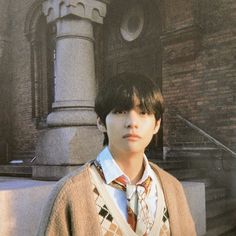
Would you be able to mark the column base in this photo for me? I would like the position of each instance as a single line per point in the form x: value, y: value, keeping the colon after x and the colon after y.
x: 60, y: 150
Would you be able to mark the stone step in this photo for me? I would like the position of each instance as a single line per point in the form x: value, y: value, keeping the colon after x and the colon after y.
x: 186, y: 174
x: 232, y: 232
x: 219, y: 207
x: 224, y: 219
x: 170, y: 165
x: 25, y: 156
x: 215, y: 193
x: 193, y: 152
x: 16, y: 170
x: 222, y: 230
x: 207, y: 181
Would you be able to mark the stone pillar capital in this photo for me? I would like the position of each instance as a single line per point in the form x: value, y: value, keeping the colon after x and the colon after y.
x: 93, y: 10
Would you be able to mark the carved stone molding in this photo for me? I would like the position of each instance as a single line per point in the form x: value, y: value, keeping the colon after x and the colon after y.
x: 32, y: 19
x: 181, y: 45
x: 93, y: 10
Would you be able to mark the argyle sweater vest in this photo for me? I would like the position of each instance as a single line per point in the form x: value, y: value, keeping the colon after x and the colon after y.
x: 111, y: 220
x: 71, y: 208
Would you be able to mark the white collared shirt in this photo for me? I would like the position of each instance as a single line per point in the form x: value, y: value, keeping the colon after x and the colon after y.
x: 112, y: 171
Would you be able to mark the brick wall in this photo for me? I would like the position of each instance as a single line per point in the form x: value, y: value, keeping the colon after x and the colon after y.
x: 5, y: 80
x: 23, y: 132
x: 198, y: 72
x: 199, y: 76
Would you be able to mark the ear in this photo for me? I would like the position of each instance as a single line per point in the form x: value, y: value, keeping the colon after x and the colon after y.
x: 101, y: 126
x: 157, y: 126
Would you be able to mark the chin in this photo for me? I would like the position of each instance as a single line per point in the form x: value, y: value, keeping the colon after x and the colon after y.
x: 133, y: 149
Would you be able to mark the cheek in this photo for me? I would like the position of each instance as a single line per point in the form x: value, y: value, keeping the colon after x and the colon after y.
x: 151, y: 127
x: 112, y: 126
x: 109, y: 123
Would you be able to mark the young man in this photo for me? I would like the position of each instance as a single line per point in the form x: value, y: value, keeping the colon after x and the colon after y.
x: 121, y: 193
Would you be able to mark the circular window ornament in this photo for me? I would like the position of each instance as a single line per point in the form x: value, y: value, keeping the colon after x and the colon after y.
x: 132, y: 23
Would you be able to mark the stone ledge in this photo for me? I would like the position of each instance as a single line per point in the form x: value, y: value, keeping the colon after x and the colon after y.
x: 16, y: 170
x: 195, y: 193
x: 22, y: 201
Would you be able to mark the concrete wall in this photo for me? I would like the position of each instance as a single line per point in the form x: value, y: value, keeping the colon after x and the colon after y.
x: 22, y: 202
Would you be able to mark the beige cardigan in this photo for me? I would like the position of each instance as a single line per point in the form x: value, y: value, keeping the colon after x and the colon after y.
x: 71, y: 208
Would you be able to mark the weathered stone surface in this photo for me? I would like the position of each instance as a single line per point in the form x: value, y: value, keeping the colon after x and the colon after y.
x: 60, y: 150
x: 195, y: 193
x: 68, y: 145
x: 75, y: 67
x: 22, y: 202
x: 72, y: 117
x: 52, y: 172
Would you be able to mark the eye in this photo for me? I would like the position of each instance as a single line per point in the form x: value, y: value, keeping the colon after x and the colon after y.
x: 119, y: 112
x: 143, y: 112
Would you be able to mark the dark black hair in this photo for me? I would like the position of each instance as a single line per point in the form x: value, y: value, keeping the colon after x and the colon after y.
x: 117, y: 94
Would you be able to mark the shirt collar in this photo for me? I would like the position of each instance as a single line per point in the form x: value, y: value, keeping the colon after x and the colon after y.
x: 112, y: 171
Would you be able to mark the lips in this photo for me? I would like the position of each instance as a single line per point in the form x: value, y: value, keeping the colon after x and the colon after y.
x: 131, y: 136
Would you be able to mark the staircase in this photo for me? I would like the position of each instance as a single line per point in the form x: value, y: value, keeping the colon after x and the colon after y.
x: 16, y: 170
x: 197, y: 166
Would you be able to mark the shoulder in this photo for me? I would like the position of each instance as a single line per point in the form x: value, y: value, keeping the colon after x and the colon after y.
x: 165, y: 178
x: 65, y: 187
x: 75, y: 177
x: 160, y: 172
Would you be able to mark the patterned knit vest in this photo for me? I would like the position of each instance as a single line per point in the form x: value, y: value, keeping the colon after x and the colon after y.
x: 110, y: 218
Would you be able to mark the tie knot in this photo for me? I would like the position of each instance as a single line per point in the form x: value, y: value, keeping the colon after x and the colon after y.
x: 140, y: 189
x: 146, y: 184
x: 122, y: 184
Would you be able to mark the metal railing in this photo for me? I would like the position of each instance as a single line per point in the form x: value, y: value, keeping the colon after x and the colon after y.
x: 208, y: 136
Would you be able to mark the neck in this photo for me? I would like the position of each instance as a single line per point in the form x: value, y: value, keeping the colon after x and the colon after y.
x: 132, y: 164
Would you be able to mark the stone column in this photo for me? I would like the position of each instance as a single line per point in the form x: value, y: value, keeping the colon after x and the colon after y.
x: 72, y: 137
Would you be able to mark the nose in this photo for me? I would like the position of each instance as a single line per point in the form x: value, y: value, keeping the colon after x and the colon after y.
x: 131, y: 120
